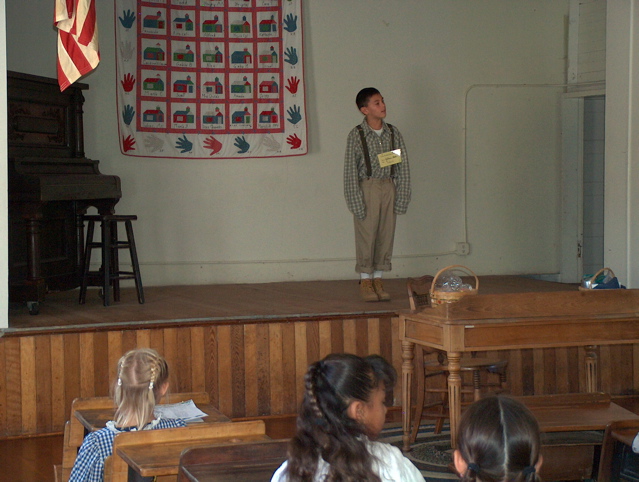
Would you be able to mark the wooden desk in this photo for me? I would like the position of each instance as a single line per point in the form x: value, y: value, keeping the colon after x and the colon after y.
x: 248, y: 462
x: 95, y: 419
x: 575, y: 412
x: 516, y: 321
x: 157, y: 452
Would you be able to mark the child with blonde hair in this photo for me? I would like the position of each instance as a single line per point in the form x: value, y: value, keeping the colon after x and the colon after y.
x: 143, y: 379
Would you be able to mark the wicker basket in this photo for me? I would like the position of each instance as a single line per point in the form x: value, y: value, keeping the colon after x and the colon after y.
x: 594, y: 277
x: 441, y: 297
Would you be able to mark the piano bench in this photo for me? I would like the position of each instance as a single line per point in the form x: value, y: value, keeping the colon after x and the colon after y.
x: 109, y: 275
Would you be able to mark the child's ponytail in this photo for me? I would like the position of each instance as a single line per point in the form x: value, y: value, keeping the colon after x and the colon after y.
x: 142, y: 374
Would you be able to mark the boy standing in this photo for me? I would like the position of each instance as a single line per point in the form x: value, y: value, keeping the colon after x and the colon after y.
x: 376, y: 188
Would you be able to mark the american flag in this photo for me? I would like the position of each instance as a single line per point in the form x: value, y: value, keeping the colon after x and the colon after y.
x: 78, y: 52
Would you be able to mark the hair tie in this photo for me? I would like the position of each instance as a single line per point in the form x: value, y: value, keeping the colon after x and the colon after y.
x: 529, y: 470
x: 473, y: 467
x: 119, y: 382
x: 151, y: 385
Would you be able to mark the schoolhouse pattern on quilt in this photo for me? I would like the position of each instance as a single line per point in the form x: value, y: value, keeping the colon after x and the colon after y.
x: 210, y: 78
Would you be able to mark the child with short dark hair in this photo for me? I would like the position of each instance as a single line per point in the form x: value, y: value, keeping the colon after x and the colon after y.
x: 376, y: 188
x: 143, y: 379
x: 498, y: 441
x: 342, y: 412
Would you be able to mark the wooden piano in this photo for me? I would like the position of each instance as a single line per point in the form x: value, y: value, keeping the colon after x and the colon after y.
x: 51, y: 185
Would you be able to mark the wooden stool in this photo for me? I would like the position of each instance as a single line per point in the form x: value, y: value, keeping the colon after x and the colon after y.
x: 110, y: 274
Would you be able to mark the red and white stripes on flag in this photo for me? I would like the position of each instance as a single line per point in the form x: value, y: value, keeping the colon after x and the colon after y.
x: 78, y: 52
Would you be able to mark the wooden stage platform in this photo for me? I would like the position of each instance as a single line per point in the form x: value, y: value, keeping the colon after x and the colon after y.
x: 247, y: 345
x: 213, y: 303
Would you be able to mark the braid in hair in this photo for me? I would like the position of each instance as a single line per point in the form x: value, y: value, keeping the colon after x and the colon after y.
x: 142, y: 373
x: 324, y: 429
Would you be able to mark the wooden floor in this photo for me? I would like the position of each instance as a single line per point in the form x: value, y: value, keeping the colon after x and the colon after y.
x: 175, y: 304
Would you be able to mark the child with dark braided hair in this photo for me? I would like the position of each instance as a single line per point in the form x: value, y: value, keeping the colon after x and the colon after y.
x: 498, y: 441
x: 143, y: 379
x: 343, y: 411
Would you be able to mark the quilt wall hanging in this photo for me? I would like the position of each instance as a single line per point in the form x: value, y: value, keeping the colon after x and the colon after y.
x: 210, y: 78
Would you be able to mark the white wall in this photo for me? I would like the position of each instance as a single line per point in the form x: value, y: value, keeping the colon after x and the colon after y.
x: 621, y: 215
x: 205, y: 221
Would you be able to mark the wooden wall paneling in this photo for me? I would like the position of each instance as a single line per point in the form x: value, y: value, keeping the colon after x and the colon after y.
x: 276, y: 368
x: 621, y: 378
x: 337, y: 336
x: 312, y: 342
x: 538, y: 371
x: 550, y: 370
x: 224, y: 370
x: 350, y: 336
x: 361, y: 337
x: 156, y: 340
x: 237, y: 368
x: 574, y: 368
x: 301, y: 360
x: 605, y: 369
x: 289, y: 368
x: 211, y: 363
x: 184, y: 359
x: 581, y: 373
x: 87, y: 365
x: 250, y: 369
x: 325, y: 337
x: 28, y: 384
x: 514, y: 373
x: 59, y: 413
x: 43, y: 377
x: 101, y: 363
x: 143, y: 338
x: 373, y: 336
x: 263, y: 372
x: 386, y: 340
x: 170, y: 354
x: 562, y: 372
x: 13, y: 386
x: 71, y: 370
x: 527, y: 373
x: 4, y: 395
x: 114, y: 341
x: 198, y: 378
x: 129, y: 341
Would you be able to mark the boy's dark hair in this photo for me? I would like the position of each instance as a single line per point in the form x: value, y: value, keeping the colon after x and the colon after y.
x: 364, y: 95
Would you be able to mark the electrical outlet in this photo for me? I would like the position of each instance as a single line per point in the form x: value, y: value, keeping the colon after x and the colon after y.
x: 462, y: 249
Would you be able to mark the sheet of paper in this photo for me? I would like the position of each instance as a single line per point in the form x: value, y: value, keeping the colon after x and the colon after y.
x: 389, y: 158
x: 185, y: 410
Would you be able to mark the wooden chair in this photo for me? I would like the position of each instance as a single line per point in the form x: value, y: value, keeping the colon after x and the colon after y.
x: 617, y: 460
x: 244, y: 461
x: 157, y: 452
x: 74, y: 431
x: 419, y: 299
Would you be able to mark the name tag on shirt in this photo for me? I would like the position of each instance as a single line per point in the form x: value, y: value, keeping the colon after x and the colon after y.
x: 389, y: 158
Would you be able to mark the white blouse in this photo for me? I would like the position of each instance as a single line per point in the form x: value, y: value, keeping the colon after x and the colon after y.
x: 389, y: 463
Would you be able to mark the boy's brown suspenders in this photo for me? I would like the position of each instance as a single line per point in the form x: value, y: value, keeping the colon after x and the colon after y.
x: 367, y: 157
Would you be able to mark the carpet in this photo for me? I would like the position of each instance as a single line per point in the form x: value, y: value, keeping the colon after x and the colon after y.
x: 431, y: 453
